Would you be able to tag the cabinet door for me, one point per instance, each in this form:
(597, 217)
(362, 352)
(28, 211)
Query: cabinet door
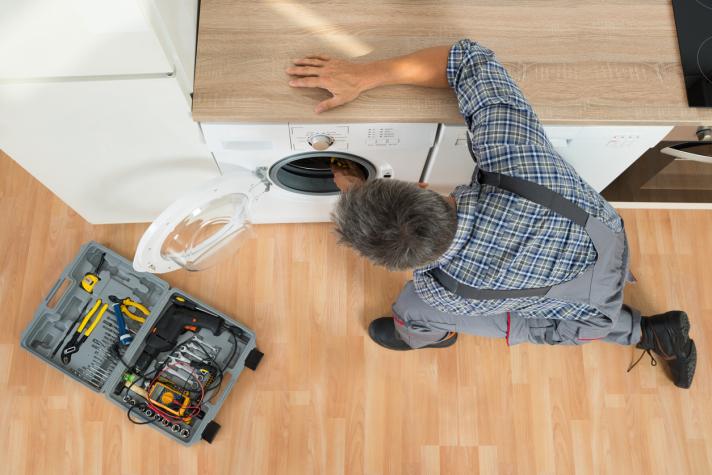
(176, 25)
(601, 153)
(60, 38)
(115, 151)
(450, 162)
(70, 38)
(598, 153)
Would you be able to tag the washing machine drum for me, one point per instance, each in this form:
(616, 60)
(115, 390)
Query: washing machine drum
(310, 173)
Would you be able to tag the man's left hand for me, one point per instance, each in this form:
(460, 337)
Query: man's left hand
(343, 79)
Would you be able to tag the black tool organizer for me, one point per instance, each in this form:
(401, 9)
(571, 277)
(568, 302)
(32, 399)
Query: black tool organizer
(200, 366)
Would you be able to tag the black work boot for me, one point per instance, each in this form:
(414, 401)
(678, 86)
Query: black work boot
(667, 335)
(383, 331)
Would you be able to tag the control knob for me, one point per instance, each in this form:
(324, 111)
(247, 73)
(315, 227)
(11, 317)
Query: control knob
(320, 141)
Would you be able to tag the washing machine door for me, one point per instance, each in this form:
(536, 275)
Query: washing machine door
(206, 225)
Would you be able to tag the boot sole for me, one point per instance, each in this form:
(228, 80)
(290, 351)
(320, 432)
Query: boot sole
(685, 324)
(444, 344)
(692, 357)
(690, 368)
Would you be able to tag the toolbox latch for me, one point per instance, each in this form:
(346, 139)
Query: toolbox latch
(253, 359)
(211, 430)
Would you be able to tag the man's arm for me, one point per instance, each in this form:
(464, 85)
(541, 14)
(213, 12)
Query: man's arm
(507, 136)
(346, 80)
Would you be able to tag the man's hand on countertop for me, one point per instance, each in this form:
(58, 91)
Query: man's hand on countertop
(346, 80)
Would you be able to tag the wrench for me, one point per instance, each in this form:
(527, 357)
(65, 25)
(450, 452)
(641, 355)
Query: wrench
(197, 357)
(199, 339)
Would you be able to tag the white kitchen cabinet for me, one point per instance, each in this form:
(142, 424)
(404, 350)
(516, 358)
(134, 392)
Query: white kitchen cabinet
(115, 151)
(95, 102)
(72, 38)
(598, 153)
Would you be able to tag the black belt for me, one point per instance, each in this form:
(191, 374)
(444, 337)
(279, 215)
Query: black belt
(536, 193)
(467, 292)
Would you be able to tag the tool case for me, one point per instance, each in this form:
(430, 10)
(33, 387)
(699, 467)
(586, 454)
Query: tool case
(181, 390)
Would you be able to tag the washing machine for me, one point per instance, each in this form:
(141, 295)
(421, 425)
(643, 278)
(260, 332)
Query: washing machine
(274, 173)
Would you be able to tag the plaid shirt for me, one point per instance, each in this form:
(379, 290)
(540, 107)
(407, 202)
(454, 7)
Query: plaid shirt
(504, 241)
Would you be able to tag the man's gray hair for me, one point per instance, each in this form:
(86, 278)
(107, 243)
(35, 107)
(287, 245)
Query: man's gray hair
(394, 223)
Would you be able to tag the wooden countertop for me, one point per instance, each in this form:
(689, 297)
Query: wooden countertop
(603, 62)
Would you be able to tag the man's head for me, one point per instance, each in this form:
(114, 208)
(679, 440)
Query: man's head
(395, 224)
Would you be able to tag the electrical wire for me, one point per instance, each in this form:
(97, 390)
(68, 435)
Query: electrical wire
(234, 350)
(116, 347)
(134, 421)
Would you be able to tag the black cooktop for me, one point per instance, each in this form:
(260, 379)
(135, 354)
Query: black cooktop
(693, 19)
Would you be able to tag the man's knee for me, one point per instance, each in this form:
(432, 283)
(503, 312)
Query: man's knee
(416, 322)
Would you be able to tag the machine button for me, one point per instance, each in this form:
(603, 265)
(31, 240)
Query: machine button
(320, 141)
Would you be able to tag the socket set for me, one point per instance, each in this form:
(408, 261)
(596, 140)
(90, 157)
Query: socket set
(182, 431)
(166, 358)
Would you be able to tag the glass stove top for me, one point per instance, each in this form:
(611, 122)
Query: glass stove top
(693, 19)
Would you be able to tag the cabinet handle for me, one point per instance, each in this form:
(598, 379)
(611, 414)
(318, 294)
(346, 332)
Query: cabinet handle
(678, 151)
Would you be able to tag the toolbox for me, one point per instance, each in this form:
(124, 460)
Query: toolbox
(163, 356)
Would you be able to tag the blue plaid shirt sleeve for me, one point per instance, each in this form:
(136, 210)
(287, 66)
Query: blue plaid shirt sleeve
(492, 104)
(507, 136)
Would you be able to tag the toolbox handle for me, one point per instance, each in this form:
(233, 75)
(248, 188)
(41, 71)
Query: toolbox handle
(65, 283)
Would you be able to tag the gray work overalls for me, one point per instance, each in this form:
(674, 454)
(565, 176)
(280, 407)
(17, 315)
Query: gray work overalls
(600, 286)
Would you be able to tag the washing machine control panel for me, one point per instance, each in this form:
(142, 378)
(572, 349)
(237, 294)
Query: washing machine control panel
(307, 139)
(382, 137)
(342, 138)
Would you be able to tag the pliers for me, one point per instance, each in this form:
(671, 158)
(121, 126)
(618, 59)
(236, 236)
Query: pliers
(127, 304)
(84, 330)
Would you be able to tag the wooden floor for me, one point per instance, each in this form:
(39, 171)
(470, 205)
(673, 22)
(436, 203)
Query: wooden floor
(326, 400)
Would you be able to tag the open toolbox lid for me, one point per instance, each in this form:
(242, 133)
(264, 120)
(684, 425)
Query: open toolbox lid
(209, 223)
